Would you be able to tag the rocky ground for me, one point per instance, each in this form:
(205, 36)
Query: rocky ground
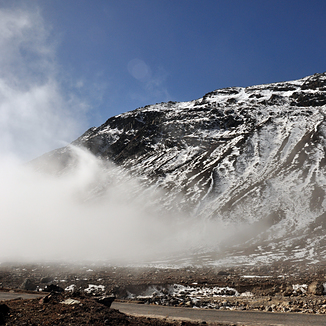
(76, 291)
(61, 310)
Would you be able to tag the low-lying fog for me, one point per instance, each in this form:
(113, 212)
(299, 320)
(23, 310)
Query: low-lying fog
(93, 212)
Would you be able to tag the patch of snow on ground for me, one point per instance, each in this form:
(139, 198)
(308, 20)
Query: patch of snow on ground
(300, 288)
(70, 288)
(94, 289)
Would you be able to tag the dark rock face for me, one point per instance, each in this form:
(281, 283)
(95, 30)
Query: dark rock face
(315, 99)
(53, 288)
(4, 312)
(254, 155)
(28, 285)
(106, 300)
(47, 279)
(316, 288)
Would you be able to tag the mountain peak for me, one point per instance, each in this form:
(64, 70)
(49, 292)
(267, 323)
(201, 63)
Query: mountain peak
(252, 156)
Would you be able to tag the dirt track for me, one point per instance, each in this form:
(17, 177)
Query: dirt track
(234, 317)
(16, 295)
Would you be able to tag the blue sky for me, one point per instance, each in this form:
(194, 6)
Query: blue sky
(67, 65)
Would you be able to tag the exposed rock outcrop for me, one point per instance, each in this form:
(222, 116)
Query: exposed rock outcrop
(253, 155)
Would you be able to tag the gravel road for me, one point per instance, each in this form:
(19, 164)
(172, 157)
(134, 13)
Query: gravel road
(239, 317)
(15, 295)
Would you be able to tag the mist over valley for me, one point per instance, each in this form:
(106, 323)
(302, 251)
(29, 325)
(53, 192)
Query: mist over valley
(235, 176)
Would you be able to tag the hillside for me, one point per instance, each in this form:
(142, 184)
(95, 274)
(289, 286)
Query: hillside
(253, 157)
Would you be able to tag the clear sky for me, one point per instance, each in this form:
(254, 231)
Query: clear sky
(67, 65)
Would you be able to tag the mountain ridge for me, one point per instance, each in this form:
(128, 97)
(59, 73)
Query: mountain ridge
(254, 155)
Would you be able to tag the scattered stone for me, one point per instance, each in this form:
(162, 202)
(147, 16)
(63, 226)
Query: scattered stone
(288, 291)
(48, 298)
(316, 288)
(106, 300)
(223, 273)
(261, 291)
(53, 288)
(70, 301)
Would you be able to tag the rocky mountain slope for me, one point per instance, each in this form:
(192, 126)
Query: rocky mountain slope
(253, 156)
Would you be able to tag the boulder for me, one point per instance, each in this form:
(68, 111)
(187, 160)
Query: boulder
(223, 273)
(288, 291)
(28, 285)
(47, 279)
(4, 311)
(316, 288)
(106, 300)
(53, 288)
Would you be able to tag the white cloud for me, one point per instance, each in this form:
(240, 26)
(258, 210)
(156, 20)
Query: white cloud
(36, 113)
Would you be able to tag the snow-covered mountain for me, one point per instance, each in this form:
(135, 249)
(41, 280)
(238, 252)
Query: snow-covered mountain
(253, 155)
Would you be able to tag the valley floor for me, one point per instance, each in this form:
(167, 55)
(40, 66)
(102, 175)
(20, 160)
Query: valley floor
(274, 288)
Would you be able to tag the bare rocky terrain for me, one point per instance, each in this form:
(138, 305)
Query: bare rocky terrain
(250, 161)
(275, 288)
(84, 311)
